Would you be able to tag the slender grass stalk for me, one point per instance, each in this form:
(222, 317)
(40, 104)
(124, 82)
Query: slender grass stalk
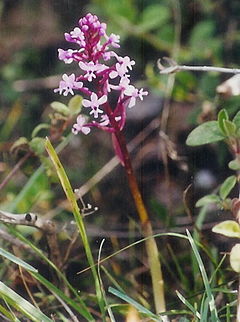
(78, 218)
(78, 304)
(22, 305)
(209, 303)
(151, 245)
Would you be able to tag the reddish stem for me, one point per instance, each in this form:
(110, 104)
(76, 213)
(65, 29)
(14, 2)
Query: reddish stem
(151, 246)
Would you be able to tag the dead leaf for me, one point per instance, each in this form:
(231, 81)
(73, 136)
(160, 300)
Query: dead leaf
(231, 87)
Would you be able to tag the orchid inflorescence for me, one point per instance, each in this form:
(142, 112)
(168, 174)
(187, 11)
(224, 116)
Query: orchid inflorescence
(103, 73)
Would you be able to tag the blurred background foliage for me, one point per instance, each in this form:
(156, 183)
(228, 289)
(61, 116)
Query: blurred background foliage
(191, 32)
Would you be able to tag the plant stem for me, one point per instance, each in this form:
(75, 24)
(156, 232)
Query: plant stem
(173, 67)
(151, 246)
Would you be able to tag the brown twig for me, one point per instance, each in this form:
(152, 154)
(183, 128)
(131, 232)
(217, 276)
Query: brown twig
(16, 242)
(46, 226)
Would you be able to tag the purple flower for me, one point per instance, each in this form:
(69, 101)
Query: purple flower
(94, 104)
(104, 121)
(134, 93)
(68, 55)
(114, 40)
(81, 126)
(68, 84)
(126, 62)
(121, 68)
(91, 69)
(102, 71)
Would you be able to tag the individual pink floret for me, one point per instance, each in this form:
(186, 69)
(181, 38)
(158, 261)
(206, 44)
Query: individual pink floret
(94, 103)
(68, 84)
(80, 126)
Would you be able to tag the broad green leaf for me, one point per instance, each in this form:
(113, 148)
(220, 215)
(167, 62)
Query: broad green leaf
(17, 260)
(75, 104)
(17, 301)
(37, 144)
(60, 108)
(236, 119)
(154, 16)
(234, 165)
(206, 200)
(235, 258)
(222, 115)
(227, 186)
(40, 127)
(229, 228)
(229, 128)
(205, 133)
(19, 142)
(202, 36)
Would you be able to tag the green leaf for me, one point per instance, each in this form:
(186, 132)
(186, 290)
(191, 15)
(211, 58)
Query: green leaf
(235, 258)
(38, 145)
(66, 185)
(206, 200)
(60, 108)
(189, 305)
(153, 17)
(229, 128)
(229, 228)
(222, 115)
(134, 303)
(227, 186)
(202, 36)
(234, 165)
(75, 104)
(210, 302)
(80, 307)
(33, 184)
(17, 301)
(205, 133)
(19, 142)
(40, 127)
(17, 260)
(236, 119)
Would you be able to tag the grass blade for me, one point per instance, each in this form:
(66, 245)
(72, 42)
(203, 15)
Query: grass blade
(210, 297)
(17, 260)
(134, 303)
(81, 307)
(189, 305)
(52, 288)
(22, 305)
(78, 218)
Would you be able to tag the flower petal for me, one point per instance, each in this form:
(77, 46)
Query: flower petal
(102, 100)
